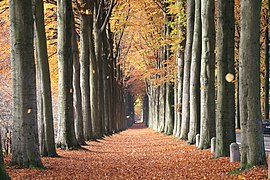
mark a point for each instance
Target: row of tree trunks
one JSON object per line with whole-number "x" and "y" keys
{"x": 199, "y": 114}
{"x": 77, "y": 71}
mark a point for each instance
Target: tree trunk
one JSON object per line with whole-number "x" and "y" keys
{"x": 44, "y": 77}
{"x": 195, "y": 75}
{"x": 85, "y": 31}
{"x": 77, "y": 96}
{"x": 180, "y": 71}
{"x": 161, "y": 105}
{"x": 3, "y": 173}
{"x": 207, "y": 74}
{"x": 169, "y": 109}
{"x": 66, "y": 138}
{"x": 186, "y": 84}
{"x": 225, "y": 120}
{"x": 25, "y": 136}
{"x": 252, "y": 142}
{"x": 40, "y": 117}
{"x": 266, "y": 60}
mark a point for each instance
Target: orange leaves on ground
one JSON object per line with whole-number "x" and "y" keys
{"x": 137, "y": 153}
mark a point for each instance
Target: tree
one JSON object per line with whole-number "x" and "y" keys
{"x": 25, "y": 138}
{"x": 3, "y": 173}
{"x": 252, "y": 142}
{"x": 266, "y": 60}
{"x": 86, "y": 19}
{"x": 195, "y": 75}
{"x": 180, "y": 70}
{"x": 66, "y": 138}
{"x": 207, "y": 128}
{"x": 46, "y": 114}
{"x": 169, "y": 99}
{"x": 77, "y": 95}
{"x": 186, "y": 84}
{"x": 225, "y": 120}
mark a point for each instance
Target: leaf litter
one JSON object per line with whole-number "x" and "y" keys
{"x": 137, "y": 153}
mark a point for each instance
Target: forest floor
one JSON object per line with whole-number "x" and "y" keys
{"x": 137, "y": 153}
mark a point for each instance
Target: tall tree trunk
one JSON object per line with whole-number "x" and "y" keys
{"x": 105, "y": 80}
{"x": 24, "y": 137}
{"x": 225, "y": 120}
{"x": 94, "y": 90}
{"x": 252, "y": 142}
{"x": 186, "y": 83}
{"x": 44, "y": 77}
{"x": 266, "y": 60}
{"x": 207, "y": 74}
{"x": 180, "y": 71}
{"x": 85, "y": 31}
{"x": 195, "y": 75}
{"x": 77, "y": 96}
{"x": 66, "y": 138}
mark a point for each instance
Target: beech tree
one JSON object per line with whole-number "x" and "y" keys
{"x": 24, "y": 137}
{"x": 186, "y": 81}
{"x": 207, "y": 127}
{"x": 266, "y": 62}
{"x": 195, "y": 75}
{"x": 77, "y": 95}
{"x": 86, "y": 29}
{"x": 3, "y": 173}
{"x": 66, "y": 138}
{"x": 225, "y": 119}
{"x": 180, "y": 70}
{"x": 252, "y": 141}
{"x": 46, "y": 115}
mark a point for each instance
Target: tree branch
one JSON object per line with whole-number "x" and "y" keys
{"x": 108, "y": 16}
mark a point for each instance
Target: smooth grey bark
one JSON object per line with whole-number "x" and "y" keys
{"x": 252, "y": 142}
{"x": 266, "y": 61}
{"x": 66, "y": 138}
{"x": 25, "y": 132}
{"x": 77, "y": 95}
{"x": 40, "y": 117}
{"x": 195, "y": 76}
{"x": 180, "y": 72}
{"x": 3, "y": 173}
{"x": 44, "y": 81}
{"x": 86, "y": 28}
{"x": 225, "y": 112}
{"x": 105, "y": 81}
{"x": 100, "y": 24}
{"x": 169, "y": 99}
{"x": 207, "y": 80}
{"x": 145, "y": 110}
{"x": 161, "y": 107}
{"x": 237, "y": 111}
{"x": 169, "y": 121}
{"x": 186, "y": 81}
{"x": 94, "y": 90}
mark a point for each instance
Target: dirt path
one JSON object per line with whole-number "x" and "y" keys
{"x": 137, "y": 153}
